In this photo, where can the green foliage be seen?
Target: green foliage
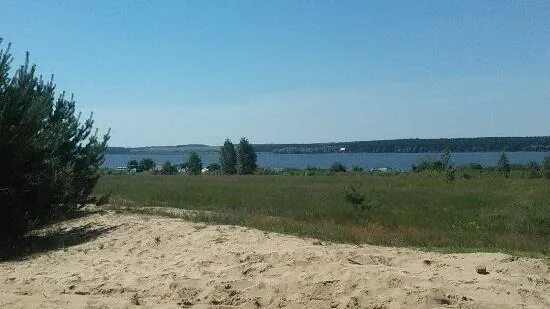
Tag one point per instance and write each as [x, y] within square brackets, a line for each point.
[147, 164]
[228, 158]
[503, 165]
[246, 157]
[428, 164]
[450, 174]
[449, 169]
[168, 168]
[337, 167]
[446, 159]
[194, 164]
[534, 169]
[355, 197]
[213, 167]
[50, 160]
[546, 168]
[357, 169]
[133, 164]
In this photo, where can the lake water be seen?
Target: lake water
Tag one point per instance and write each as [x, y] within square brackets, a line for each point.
[401, 161]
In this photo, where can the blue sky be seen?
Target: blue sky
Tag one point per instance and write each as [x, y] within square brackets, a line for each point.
[177, 72]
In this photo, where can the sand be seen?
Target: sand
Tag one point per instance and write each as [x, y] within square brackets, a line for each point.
[139, 261]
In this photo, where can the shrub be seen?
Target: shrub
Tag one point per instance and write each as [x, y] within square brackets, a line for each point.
[168, 168]
[50, 160]
[450, 174]
[357, 169]
[428, 164]
[337, 167]
[353, 196]
[213, 167]
[147, 164]
[534, 169]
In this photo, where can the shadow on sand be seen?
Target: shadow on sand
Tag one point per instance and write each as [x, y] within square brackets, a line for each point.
[52, 238]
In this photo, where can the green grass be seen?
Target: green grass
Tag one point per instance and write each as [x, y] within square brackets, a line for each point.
[478, 214]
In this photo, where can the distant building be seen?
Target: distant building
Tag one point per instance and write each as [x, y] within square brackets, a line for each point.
[381, 169]
[121, 168]
[342, 149]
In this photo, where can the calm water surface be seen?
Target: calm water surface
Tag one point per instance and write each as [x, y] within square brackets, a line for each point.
[402, 161]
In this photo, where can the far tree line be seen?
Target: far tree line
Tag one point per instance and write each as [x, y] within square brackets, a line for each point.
[234, 159]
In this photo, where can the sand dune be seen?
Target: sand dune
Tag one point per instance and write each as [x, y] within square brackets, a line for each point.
[169, 263]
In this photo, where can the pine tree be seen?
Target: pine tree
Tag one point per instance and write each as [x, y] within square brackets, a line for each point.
[246, 157]
[49, 159]
[228, 158]
[194, 164]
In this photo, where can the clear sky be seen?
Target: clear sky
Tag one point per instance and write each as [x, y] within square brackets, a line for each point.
[178, 72]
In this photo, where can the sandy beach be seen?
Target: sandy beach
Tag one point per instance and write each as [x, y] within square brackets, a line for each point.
[138, 261]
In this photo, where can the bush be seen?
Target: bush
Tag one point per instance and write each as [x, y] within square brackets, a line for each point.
[450, 174]
[147, 164]
[337, 167]
[50, 160]
[353, 196]
[213, 167]
[168, 168]
[357, 169]
[534, 169]
[428, 164]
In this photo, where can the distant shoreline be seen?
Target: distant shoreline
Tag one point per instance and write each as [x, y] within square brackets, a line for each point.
[478, 144]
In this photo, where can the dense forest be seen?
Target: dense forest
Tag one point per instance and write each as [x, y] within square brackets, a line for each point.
[480, 144]
[417, 145]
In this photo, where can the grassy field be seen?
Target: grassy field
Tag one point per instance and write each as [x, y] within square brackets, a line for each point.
[479, 214]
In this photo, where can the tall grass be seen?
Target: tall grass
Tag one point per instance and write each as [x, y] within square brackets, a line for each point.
[483, 213]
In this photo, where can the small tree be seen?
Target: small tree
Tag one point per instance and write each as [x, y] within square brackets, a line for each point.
[147, 164]
[354, 196]
[503, 165]
[194, 164]
[168, 168]
[228, 158]
[50, 159]
[446, 159]
[246, 157]
[447, 166]
[546, 167]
